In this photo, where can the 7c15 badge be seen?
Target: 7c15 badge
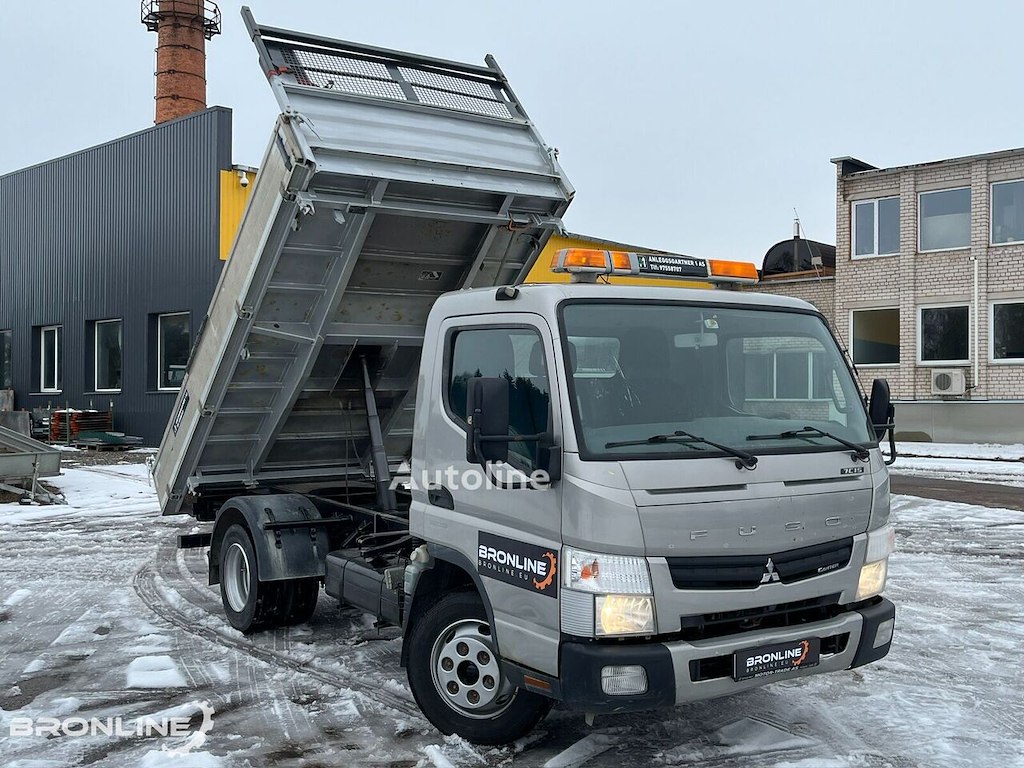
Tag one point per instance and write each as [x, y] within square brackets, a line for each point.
[518, 563]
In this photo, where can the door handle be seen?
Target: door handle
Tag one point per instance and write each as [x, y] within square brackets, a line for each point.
[439, 496]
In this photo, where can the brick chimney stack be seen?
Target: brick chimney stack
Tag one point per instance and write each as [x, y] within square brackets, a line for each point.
[182, 27]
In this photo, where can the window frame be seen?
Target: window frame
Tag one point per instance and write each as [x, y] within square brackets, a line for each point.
[96, 353]
[991, 215]
[853, 228]
[853, 350]
[453, 329]
[920, 327]
[992, 359]
[57, 383]
[970, 212]
[160, 347]
[775, 379]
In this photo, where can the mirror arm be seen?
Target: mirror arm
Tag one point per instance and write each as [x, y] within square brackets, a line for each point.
[892, 434]
[512, 438]
[542, 437]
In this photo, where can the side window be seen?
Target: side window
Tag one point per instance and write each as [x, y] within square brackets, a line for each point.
[6, 373]
[516, 354]
[174, 343]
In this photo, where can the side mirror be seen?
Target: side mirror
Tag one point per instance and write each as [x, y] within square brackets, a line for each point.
[880, 409]
[487, 413]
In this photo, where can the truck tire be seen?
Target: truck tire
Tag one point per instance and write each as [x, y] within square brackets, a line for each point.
[249, 604]
[298, 599]
[455, 675]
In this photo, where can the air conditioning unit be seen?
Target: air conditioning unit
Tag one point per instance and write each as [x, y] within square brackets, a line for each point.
[948, 381]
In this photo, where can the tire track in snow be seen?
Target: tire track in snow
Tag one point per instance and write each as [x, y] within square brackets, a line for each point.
[153, 588]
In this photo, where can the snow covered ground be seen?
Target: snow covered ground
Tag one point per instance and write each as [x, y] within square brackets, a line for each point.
[101, 617]
[983, 463]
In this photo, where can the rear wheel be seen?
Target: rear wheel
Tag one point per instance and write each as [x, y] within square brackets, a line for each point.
[249, 604]
[298, 600]
[456, 677]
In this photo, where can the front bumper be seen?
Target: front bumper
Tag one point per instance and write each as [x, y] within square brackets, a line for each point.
[679, 671]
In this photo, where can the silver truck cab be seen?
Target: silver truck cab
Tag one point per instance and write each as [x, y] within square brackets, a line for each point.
[721, 516]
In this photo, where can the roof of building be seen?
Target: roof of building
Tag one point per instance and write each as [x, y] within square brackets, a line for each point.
[849, 166]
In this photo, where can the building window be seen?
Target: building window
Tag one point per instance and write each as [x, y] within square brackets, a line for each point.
[876, 227]
[876, 336]
[945, 220]
[786, 374]
[1007, 212]
[944, 335]
[6, 375]
[50, 367]
[173, 346]
[1008, 331]
[108, 355]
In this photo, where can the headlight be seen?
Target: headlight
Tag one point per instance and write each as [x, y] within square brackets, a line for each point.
[624, 615]
[618, 593]
[621, 574]
[881, 543]
[872, 580]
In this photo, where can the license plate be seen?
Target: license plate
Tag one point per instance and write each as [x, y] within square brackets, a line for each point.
[776, 659]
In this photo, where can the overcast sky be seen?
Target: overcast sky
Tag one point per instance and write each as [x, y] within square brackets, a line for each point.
[691, 127]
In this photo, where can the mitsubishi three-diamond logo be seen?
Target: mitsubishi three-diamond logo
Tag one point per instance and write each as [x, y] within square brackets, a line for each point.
[769, 574]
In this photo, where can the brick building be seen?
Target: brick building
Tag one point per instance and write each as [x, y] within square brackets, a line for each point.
[928, 290]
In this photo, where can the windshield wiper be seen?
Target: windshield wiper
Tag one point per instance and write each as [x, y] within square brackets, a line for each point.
[744, 459]
[859, 451]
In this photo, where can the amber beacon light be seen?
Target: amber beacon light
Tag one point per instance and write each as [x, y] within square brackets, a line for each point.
[588, 263]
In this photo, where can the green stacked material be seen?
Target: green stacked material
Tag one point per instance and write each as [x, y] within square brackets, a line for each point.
[106, 439]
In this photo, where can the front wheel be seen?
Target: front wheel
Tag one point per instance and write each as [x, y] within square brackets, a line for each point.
[456, 677]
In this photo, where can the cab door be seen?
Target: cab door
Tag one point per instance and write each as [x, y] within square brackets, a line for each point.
[512, 534]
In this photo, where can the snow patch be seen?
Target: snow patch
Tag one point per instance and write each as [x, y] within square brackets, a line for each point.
[154, 672]
[583, 750]
[160, 759]
[16, 597]
[750, 736]
[436, 757]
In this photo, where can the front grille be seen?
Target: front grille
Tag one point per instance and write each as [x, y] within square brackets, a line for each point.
[749, 571]
[709, 625]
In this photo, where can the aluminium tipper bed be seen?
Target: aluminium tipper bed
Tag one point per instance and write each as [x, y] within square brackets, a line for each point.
[389, 179]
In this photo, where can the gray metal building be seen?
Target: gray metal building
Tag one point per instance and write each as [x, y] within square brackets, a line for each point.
[108, 260]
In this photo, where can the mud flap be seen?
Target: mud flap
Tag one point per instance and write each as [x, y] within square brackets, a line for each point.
[288, 533]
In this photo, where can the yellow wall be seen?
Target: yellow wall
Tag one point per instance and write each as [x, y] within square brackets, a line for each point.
[541, 272]
[233, 197]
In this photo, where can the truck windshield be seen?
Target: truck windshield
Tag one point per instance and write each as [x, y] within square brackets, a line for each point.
[730, 375]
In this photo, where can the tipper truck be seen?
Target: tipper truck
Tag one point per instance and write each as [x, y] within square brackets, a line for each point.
[614, 497]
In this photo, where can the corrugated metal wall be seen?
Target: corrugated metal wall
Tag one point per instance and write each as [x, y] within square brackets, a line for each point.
[127, 230]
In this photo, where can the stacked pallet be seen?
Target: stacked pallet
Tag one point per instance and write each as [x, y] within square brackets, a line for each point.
[65, 426]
